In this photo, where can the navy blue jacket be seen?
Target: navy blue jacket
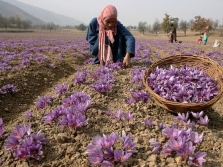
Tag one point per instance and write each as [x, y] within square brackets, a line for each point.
[124, 41]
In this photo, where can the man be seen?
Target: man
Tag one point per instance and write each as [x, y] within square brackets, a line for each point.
[173, 33]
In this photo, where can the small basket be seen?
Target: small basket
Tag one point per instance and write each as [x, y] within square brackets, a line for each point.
[210, 67]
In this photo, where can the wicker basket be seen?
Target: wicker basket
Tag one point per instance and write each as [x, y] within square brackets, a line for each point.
[210, 67]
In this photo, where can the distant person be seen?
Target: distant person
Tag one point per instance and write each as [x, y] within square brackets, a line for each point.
[200, 39]
[109, 40]
[217, 43]
[173, 33]
[205, 37]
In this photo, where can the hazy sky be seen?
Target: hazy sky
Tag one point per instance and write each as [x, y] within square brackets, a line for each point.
[131, 12]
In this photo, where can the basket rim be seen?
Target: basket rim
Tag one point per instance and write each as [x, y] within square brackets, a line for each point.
[161, 99]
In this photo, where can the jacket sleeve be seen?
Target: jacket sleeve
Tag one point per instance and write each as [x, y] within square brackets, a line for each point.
[129, 39]
[92, 36]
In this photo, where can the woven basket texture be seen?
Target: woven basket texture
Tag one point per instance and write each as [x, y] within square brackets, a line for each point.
[210, 67]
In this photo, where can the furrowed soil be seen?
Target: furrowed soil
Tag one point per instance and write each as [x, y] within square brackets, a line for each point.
[66, 147]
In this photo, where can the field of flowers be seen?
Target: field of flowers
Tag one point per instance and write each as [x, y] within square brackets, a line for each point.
[59, 110]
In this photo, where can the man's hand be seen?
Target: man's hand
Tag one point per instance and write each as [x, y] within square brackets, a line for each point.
[126, 61]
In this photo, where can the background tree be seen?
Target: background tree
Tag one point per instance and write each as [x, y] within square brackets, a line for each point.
[18, 22]
[142, 27]
[149, 28]
[184, 26]
[215, 24]
[12, 22]
[156, 26]
[174, 21]
[81, 27]
[26, 24]
[191, 22]
[165, 25]
[200, 24]
[51, 26]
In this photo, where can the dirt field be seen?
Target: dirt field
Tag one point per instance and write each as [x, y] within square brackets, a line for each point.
[67, 50]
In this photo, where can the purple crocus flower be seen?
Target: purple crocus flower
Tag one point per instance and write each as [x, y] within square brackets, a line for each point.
[22, 153]
[161, 126]
[197, 115]
[166, 149]
[186, 150]
[203, 121]
[39, 138]
[28, 114]
[36, 151]
[109, 113]
[60, 89]
[1, 127]
[128, 142]
[42, 101]
[118, 115]
[197, 159]
[106, 164]
[178, 143]
[8, 89]
[195, 138]
[182, 117]
[128, 116]
[20, 131]
[109, 154]
[96, 156]
[12, 142]
[148, 122]
[171, 132]
[120, 156]
[156, 145]
[108, 141]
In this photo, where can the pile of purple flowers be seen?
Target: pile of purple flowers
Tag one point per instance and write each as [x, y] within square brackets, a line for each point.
[104, 78]
[184, 85]
[72, 112]
[137, 75]
[109, 150]
[182, 141]
[136, 96]
[24, 144]
[8, 89]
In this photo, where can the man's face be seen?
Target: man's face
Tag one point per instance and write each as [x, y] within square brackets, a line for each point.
[109, 23]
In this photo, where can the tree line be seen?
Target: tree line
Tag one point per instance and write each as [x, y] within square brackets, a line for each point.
[16, 22]
[198, 24]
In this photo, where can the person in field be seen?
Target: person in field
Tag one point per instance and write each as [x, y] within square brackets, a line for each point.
[173, 33]
[199, 40]
[205, 37]
[109, 40]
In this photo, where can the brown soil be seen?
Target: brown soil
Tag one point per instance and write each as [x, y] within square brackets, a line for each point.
[68, 148]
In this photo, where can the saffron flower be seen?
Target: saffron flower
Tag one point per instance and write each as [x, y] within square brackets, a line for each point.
[25, 144]
[197, 159]
[156, 145]
[203, 121]
[60, 89]
[148, 122]
[8, 89]
[121, 156]
[28, 114]
[42, 101]
[103, 150]
[197, 115]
